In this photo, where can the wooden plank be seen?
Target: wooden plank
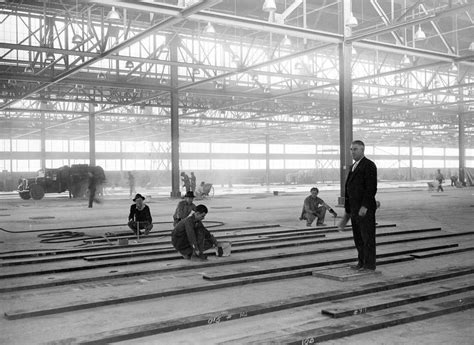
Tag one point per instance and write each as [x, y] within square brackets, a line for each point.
[221, 262]
[166, 293]
[254, 310]
[363, 325]
[439, 253]
[417, 297]
[214, 277]
[130, 249]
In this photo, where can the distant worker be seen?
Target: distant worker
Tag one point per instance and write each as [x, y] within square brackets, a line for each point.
[454, 180]
[92, 187]
[186, 182]
[440, 178]
[191, 239]
[140, 216]
[193, 182]
[184, 208]
[200, 189]
[131, 183]
[315, 208]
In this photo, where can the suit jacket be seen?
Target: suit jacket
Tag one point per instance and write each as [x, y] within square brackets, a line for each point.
[361, 187]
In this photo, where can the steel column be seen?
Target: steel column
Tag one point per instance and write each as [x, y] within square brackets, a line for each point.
[43, 138]
[175, 183]
[91, 135]
[267, 159]
[345, 102]
[462, 150]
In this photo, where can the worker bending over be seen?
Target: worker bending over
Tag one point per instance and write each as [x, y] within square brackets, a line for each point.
[191, 239]
[315, 208]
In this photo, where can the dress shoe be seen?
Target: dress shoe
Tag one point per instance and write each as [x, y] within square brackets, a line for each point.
[356, 267]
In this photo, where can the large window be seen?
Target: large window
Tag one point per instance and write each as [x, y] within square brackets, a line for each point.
[195, 147]
[229, 148]
[4, 145]
[300, 164]
[25, 145]
[258, 164]
[57, 146]
[25, 165]
[195, 164]
[79, 146]
[230, 164]
[300, 149]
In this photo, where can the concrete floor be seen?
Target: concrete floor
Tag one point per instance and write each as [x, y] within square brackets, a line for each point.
[410, 207]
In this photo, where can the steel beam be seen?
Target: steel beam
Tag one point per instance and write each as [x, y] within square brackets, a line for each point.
[179, 17]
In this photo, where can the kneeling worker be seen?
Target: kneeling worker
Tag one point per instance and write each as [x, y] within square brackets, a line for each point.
[191, 239]
[315, 208]
[140, 216]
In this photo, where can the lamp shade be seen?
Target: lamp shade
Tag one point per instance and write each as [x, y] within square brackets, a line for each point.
[269, 6]
[286, 42]
[113, 14]
[49, 57]
[352, 21]
[129, 64]
[420, 34]
[209, 28]
[76, 39]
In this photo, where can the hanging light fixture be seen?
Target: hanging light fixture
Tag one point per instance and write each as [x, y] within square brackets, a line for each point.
[209, 28]
[352, 21]
[286, 42]
[196, 71]
[420, 34]
[269, 6]
[353, 51]
[29, 69]
[113, 14]
[129, 64]
[49, 58]
[405, 61]
[76, 39]
[101, 75]
[453, 68]
[471, 46]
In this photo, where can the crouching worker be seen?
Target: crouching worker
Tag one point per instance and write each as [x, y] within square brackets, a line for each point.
[315, 208]
[191, 239]
[184, 208]
[140, 216]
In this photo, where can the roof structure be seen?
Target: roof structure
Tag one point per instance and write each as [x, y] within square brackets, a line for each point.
[241, 69]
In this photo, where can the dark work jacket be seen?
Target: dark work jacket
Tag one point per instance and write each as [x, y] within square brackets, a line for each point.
[361, 187]
[140, 216]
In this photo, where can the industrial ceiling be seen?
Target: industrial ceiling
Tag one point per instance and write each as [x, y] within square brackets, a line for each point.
[241, 69]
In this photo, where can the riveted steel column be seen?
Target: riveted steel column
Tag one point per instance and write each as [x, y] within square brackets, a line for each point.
[345, 100]
[175, 183]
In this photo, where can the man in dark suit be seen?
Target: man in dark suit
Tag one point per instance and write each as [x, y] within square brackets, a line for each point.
[360, 205]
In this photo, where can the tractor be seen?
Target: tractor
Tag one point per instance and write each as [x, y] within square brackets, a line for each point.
[73, 179]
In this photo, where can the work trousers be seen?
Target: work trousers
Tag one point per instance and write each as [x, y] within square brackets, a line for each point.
[141, 225]
[205, 241]
[320, 214]
[363, 229]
